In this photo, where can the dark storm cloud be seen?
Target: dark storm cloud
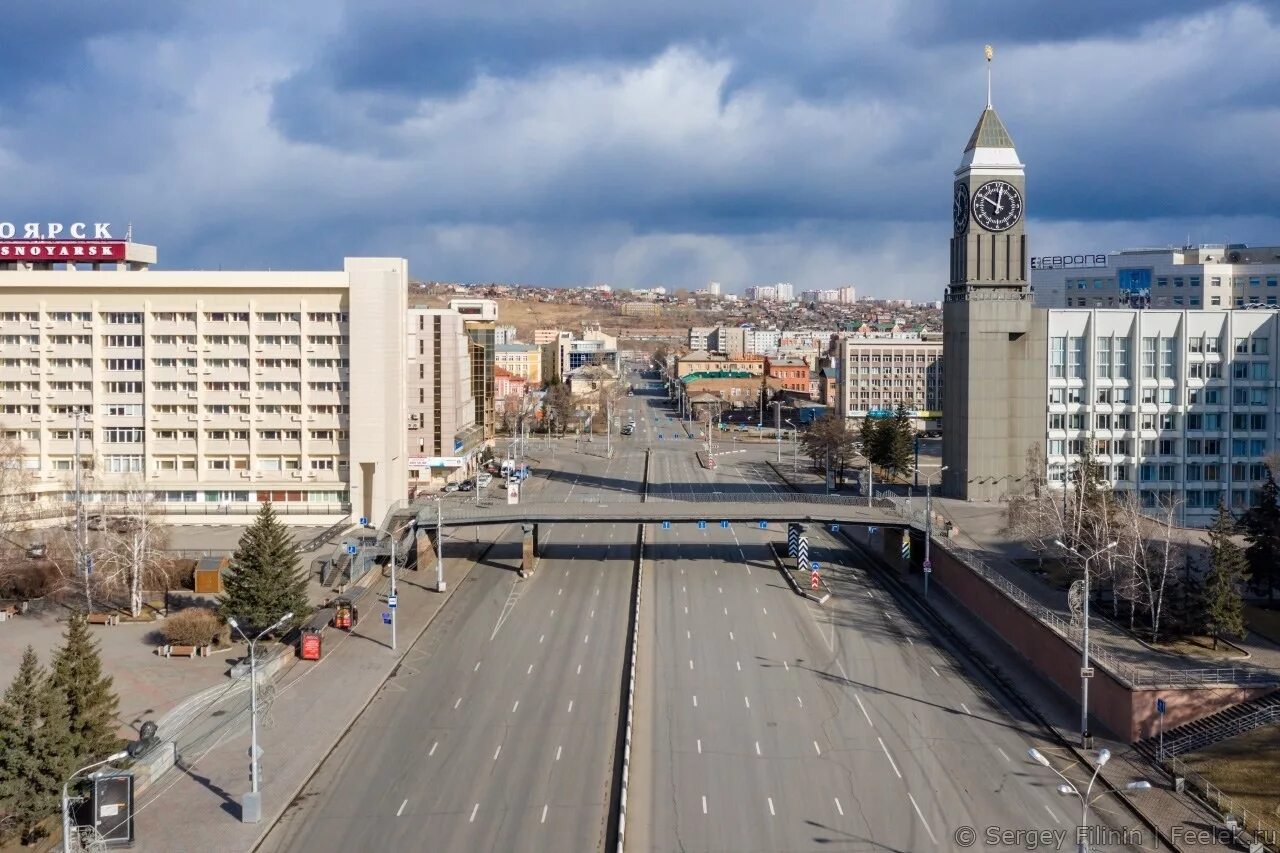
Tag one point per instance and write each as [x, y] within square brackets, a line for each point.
[638, 142]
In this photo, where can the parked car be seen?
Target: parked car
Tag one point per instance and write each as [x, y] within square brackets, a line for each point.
[466, 486]
[450, 487]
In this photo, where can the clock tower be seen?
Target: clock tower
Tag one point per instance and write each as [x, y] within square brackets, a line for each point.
[994, 340]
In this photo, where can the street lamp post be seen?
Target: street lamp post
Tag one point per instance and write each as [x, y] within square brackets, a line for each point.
[440, 584]
[66, 799]
[777, 425]
[413, 522]
[1084, 643]
[795, 447]
[928, 522]
[1069, 788]
[251, 805]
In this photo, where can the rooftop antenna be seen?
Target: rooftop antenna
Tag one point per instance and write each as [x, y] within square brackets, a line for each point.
[128, 232]
[990, 52]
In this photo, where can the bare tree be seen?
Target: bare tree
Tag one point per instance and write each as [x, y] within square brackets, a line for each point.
[132, 548]
[510, 411]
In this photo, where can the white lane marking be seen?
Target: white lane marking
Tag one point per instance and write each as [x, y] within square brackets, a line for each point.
[771, 811]
[541, 637]
[433, 749]
[400, 810]
[529, 671]
[757, 747]
[686, 608]
[717, 571]
[570, 711]
[817, 748]
[965, 708]
[766, 610]
[786, 666]
[746, 700]
[597, 590]
[726, 611]
[688, 635]
[476, 668]
[839, 808]
[1056, 819]
[579, 672]
[801, 701]
[560, 591]
[730, 635]
[935, 672]
[474, 809]
[887, 615]
[690, 663]
[496, 752]
[695, 700]
[869, 595]
[516, 705]
[720, 590]
[922, 820]
[739, 663]
[586, 637]
[757, 590]
[704, 803]
[558, 748]
[1002, 754]
[682, 589]
[748, 570]
[566, 573]
[888, 756]
[456, 704]
[699, 746]
[775, 634]
[910, 642]
[552, 614]
[593, 614]
[544, 815]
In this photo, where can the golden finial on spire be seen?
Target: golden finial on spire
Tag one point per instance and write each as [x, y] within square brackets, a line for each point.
[989, 52]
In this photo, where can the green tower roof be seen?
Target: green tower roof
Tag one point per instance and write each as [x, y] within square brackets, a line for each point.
[989, 133]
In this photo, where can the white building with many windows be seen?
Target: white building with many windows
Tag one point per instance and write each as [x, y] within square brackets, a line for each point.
[879, 373]
[1180, 405]
[210, 391]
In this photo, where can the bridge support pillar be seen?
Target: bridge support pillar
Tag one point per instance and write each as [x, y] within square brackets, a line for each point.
[528, 548]
[891, 547]
[424, 547]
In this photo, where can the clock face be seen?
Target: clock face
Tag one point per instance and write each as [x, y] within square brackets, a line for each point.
[960, 208]
[997, 206]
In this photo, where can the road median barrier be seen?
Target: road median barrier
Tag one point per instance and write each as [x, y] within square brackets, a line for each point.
[783, 562]
[628, 715]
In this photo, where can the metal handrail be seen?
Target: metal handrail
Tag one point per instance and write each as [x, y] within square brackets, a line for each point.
[1262, 827]
[1222, 731]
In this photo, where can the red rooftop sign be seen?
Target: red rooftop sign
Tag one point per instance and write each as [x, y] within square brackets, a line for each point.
[64, 251]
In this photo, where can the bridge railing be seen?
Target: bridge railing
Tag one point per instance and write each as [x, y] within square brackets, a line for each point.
[1136, 676]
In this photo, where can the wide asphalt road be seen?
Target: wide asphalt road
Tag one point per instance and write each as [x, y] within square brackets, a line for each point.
[769, 723]
[498, 731]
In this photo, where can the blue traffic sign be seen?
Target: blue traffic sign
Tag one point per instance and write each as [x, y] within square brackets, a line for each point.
[386, 618]
[814, 566]
[872, 529]
[724, 524]
[764, 525]
[351, 549]
[391, 601]
[364, 521]
[835, 528]
[1160, 707]
[702, 525]
[666, 525]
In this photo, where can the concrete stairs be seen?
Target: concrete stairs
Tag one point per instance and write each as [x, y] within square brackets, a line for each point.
[1197, 735]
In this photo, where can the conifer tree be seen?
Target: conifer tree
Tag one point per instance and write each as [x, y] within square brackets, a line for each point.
[35, 750]
[1261, 529]
[899, 441]
[91, 703]
[266, 579]
[1228, 571]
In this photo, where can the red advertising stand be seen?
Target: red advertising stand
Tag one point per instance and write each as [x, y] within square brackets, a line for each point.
[310, 645]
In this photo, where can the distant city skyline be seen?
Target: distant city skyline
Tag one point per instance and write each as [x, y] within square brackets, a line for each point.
[637, 144]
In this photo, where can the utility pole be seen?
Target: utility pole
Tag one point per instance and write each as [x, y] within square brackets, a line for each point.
[1085, 670]
[777, 425]
[608, 429]
[928, 522]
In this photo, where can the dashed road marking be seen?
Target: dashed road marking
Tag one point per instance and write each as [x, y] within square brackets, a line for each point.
[1056, 819]
[456, 704]
[1002, 754]
[935, 672]
[544, 815]
[890, 757]
[474, 809]
[570, 711]
[400, 810]
[704, 803]
[817, 748]
[558, 748]
[433, 749]
[516, 705]
[757, 747]
[839, 808]
[476, 668]
[771, 811]
[497, 752]
[922, 820]
[965, 708]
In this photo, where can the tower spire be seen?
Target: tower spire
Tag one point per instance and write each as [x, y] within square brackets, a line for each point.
[990, 52]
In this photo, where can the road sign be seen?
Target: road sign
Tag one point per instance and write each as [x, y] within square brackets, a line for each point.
[351, 549]
[764, 525]
[364, 521]
[802, 552]
[386, 618]
[906, 546]
[702, 525]
[666, 525]
[513, 492]
[928, 567]
[835, 528]
[814, 566]
[1086, 672]
[724, 524]
[872, 530]
[391, 601]
[813, 581]
[1160, 707]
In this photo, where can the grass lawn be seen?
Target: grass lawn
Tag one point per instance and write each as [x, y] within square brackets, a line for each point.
[1246, 768]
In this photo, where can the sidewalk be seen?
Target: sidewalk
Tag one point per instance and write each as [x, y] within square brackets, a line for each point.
[196, 806]
[1175, 814]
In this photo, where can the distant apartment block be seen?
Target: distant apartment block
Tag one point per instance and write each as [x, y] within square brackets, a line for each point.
[443, 436]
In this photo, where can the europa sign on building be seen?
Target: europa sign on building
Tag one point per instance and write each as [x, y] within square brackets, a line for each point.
[56, 242]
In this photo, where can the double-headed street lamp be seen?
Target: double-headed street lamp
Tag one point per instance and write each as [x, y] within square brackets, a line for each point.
[251, 805]
[928, 520]
[1069, 788]
[1085, 672]
[66, 799]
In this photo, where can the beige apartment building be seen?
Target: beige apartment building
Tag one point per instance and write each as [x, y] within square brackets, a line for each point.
[879, 373]
[443, 435]
[523, 360]
[212, 391]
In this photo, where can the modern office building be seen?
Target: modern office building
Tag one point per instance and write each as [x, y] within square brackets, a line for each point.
[879, 373]
[443, 437]
[212, 391]
[504, 334]
[593, 348]
[481, 317]
[1209, 276]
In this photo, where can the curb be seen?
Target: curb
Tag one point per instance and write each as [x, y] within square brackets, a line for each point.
[632, 651]
[791, 581]
[297, 791]
[903, 593]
